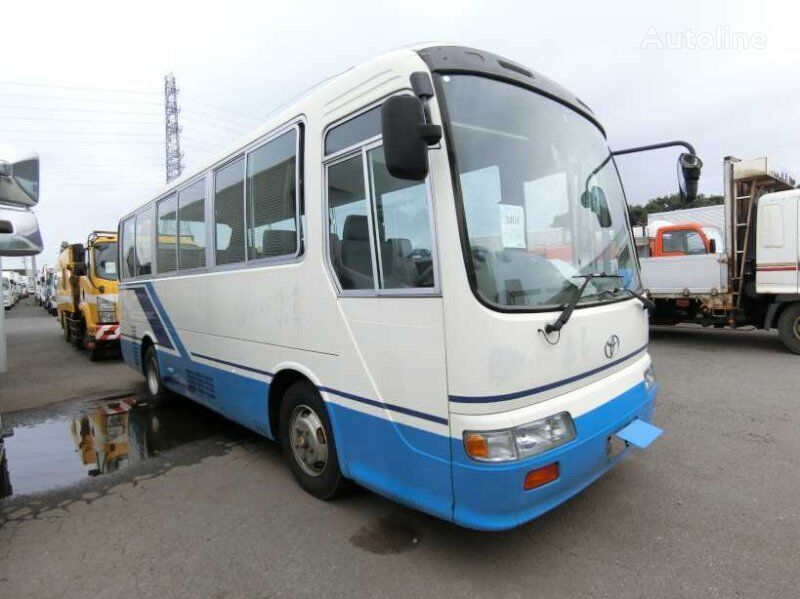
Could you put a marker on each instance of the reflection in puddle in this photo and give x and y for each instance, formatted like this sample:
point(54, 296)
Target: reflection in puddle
point(103, 438)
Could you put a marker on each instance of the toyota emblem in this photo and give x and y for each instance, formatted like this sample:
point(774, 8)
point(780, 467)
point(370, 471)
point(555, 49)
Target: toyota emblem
point(612, 346)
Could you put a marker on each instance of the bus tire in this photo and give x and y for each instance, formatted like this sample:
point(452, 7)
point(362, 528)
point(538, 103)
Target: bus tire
point(307, 441)
point(156, 390)
point(789, 327)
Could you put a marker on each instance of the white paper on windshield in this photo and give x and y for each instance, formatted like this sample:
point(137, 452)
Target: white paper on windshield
point(110, 267)
point(512, 226)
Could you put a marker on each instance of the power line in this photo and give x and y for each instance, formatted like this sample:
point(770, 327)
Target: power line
point(74, 87)
point(216, 107)
point(48, 131)
point(92, 111)
point(216, 118)
point(103, 122)
point(80, 141)
point(192, 118)
point(125, 91)
point(73, 98)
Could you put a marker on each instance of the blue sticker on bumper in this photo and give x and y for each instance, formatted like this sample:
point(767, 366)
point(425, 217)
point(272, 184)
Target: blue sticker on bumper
point(639, 433)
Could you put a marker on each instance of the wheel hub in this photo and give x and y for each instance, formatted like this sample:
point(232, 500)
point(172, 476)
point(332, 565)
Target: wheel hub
point(309, 442)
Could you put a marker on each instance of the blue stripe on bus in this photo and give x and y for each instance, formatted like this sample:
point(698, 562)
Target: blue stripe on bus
point(346, 395)
point(542, 388)
point(163, 313)
point(234, 364)
point(388, 406)
point(152, 317)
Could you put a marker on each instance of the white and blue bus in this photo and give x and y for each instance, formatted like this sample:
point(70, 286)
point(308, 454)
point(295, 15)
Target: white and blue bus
point(420, 277)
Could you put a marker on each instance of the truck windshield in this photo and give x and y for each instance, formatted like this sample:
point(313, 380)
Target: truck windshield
point(105, 260)
point(542, 200)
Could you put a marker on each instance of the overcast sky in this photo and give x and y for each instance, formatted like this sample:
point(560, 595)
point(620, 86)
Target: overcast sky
point(103, 153)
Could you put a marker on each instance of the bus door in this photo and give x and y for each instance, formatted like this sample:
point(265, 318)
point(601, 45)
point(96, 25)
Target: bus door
point(383, 255)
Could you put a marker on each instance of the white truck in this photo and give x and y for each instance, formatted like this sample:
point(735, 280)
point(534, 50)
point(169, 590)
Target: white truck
point(752, 277)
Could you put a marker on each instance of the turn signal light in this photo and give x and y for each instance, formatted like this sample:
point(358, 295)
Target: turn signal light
point(476, 445)
point(541, 476)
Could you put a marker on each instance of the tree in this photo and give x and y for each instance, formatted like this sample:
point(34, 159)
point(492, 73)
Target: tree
point(638, 214)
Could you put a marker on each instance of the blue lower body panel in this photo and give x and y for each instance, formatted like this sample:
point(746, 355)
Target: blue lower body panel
point(423, 470)
point(492, 497)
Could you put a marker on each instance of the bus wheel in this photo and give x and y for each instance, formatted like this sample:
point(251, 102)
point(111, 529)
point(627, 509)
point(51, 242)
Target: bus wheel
point(307, 441)
point(789, 327)
point(156, 390)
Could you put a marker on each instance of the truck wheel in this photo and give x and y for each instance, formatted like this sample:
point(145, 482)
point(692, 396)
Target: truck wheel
point(789, 327)
point(97, 352)
point(77, 334)
point(67, 330)
point(156, 390)
point(307, 441)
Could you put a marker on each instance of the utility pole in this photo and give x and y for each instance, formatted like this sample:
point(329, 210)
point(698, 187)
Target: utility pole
point(174, 157)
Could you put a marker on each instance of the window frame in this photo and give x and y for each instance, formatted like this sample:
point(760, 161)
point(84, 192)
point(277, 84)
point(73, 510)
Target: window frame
point(184, 186)
point(299, 123)
point(362, 149)
point(153, 259)
point(243, 157)
point(297, 197)
point(158, 205)
point(121, 237)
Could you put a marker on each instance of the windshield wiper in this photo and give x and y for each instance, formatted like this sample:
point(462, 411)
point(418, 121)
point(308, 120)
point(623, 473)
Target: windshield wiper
point(648, 303)
point(570, 307)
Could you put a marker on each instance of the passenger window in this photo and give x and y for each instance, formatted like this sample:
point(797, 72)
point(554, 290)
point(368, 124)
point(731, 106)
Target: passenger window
point(402, 225)
point(271, 199)
point(364, 126)
point(229, 213)
point(128, 252)
point(192, 226)
point(350, 248)
point(694, 243)
point(167, 235)
point(144, 242)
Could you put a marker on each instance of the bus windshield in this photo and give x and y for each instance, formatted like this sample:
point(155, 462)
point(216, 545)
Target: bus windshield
point(542, 199)
point(105, 260)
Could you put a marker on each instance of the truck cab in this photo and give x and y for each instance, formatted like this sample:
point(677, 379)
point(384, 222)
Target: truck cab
point(682, 240)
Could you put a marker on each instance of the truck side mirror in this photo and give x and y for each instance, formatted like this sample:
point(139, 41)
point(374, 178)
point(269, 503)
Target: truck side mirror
point(403, 126)
point(689, 167)
point(712, 246)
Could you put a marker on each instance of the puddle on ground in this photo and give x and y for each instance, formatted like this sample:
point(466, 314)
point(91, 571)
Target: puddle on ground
point(385, 536)
point(101, 438)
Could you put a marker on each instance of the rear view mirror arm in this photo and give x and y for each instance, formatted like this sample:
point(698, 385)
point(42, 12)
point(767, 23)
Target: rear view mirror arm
point(666, 144)
point(423, 88)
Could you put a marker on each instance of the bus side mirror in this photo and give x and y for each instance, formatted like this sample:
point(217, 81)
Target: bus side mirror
point(19, 177)
point(689, 167)
point(404, 137)
point(712, 246)
point(19, 232)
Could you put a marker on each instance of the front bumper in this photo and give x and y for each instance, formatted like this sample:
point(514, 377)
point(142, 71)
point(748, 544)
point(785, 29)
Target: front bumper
point(491, 496)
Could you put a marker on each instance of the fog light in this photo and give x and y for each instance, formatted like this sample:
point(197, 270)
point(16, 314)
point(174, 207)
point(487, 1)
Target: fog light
point(649, 378)
point(541, 476)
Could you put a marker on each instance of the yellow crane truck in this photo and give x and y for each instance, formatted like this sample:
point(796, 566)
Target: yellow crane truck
point(87, 293)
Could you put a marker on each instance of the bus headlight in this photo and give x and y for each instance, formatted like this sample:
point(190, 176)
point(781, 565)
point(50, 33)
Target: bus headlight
point(106, 311)
point(520, 442)
point(649, 378)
